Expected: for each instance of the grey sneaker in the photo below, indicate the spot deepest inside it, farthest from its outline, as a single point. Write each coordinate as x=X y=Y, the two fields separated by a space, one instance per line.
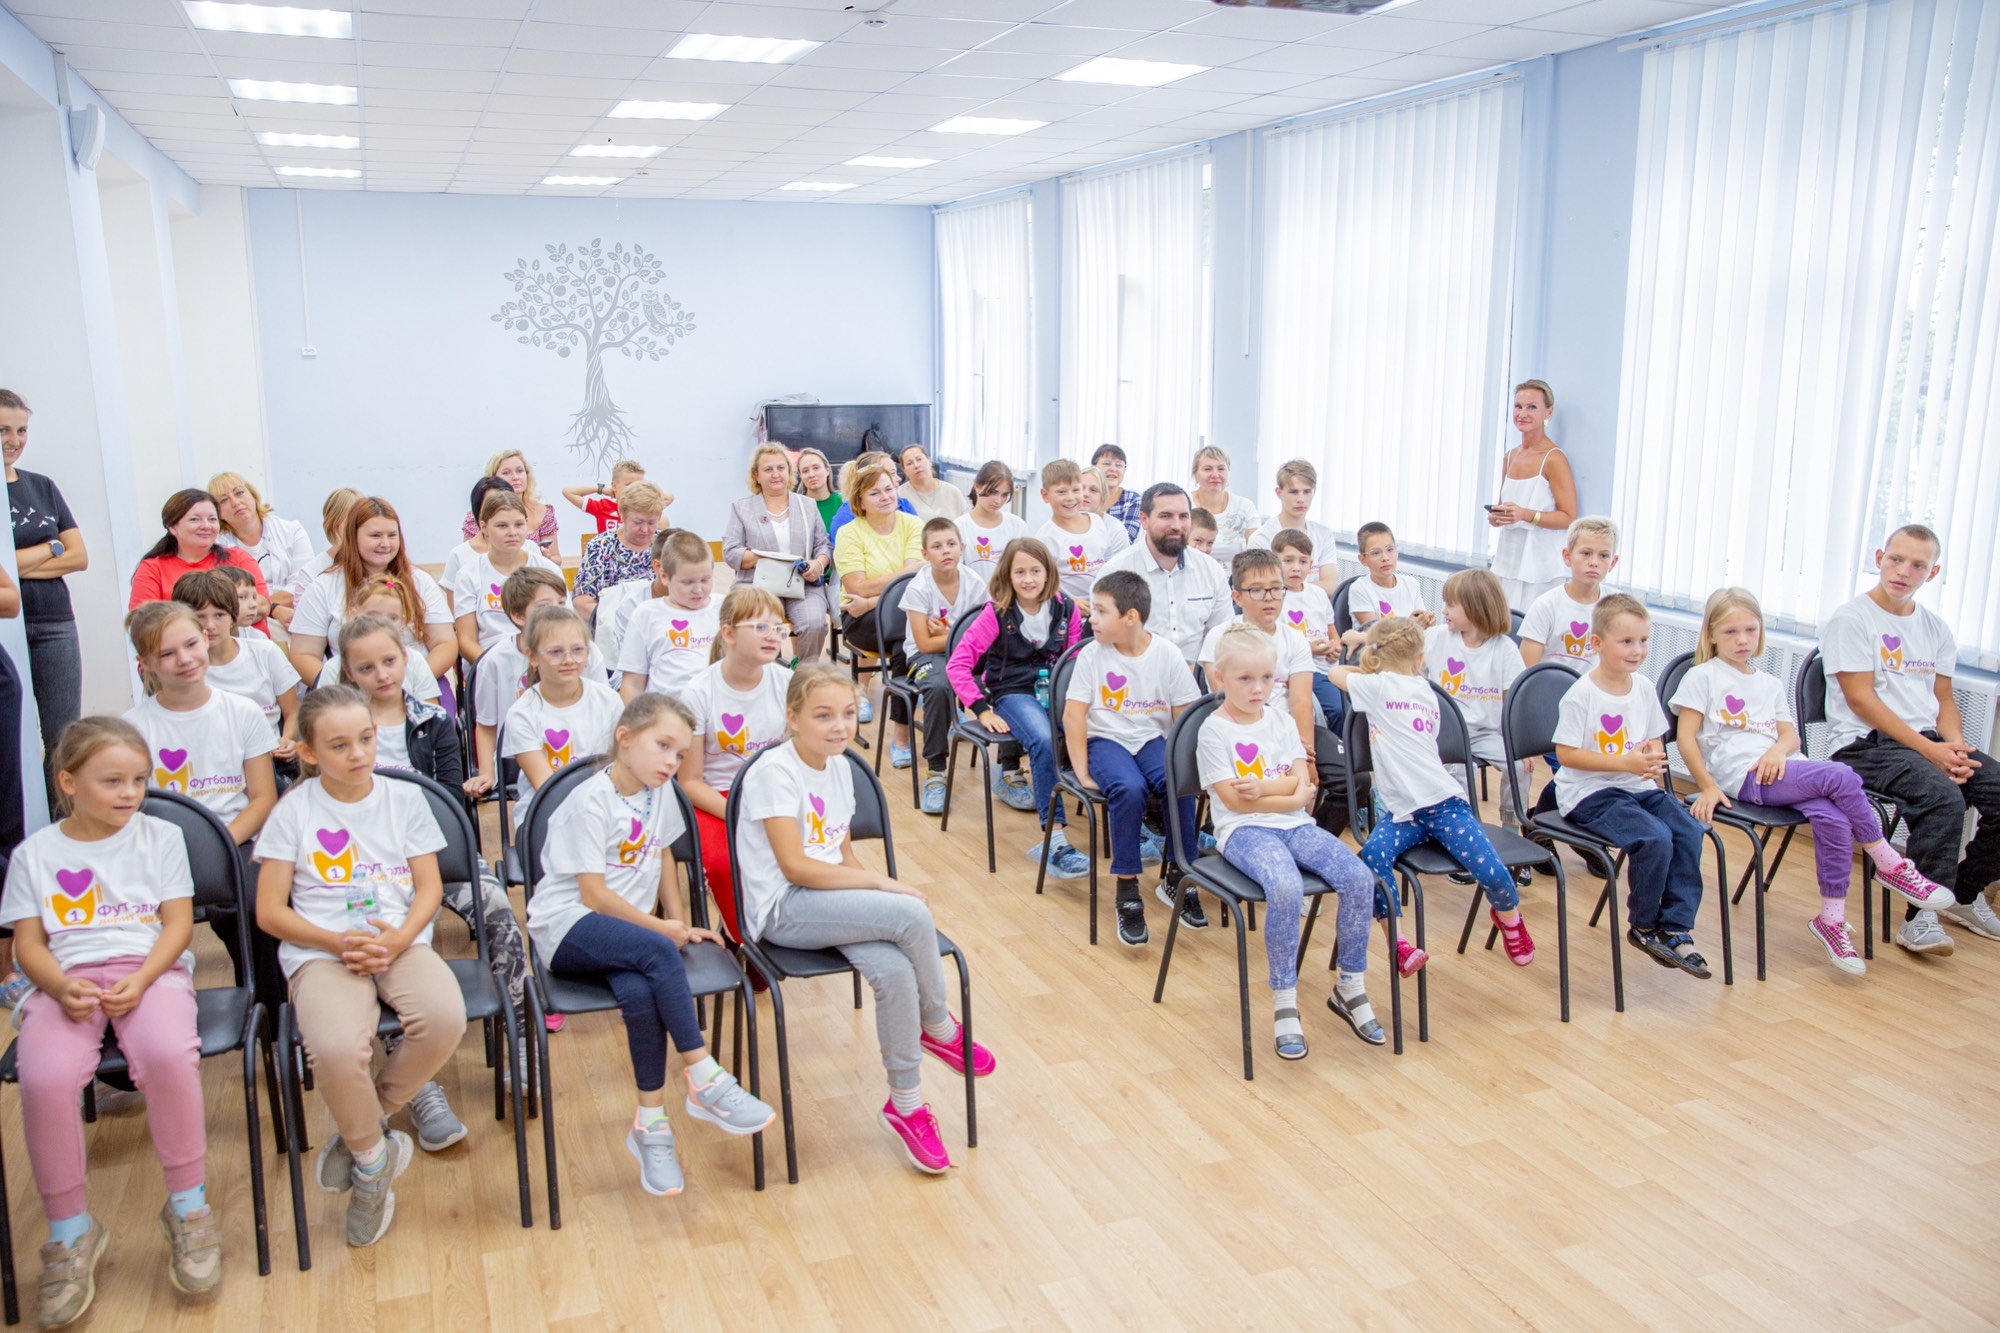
x=1922 y=934
x=372 y=1206
x=934 y=794
x=1976 y=916
x=195 y=1262
x=659 y=1166
x=725 y=1104
x=69 y=1277
x=334 y=1167
x=431 y=1116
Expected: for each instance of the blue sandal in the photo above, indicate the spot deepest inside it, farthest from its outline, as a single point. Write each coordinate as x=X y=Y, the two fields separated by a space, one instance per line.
x=1291 y=1045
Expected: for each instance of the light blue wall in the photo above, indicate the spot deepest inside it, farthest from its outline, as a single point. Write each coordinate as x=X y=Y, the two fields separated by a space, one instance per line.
x=413 y=386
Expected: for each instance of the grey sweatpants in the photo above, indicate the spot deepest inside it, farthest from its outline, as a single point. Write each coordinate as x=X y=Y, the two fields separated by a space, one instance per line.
x=892 y=940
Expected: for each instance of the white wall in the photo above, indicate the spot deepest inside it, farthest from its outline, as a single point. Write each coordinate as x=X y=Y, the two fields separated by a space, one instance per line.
x=218 y=330
x=413 y=386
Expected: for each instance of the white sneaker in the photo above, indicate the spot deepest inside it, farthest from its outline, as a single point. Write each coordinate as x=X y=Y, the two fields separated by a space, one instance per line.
x=1976 y=916
x=1922 y=934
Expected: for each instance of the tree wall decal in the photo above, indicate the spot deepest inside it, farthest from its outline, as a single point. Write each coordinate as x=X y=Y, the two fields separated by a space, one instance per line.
x=591 y=300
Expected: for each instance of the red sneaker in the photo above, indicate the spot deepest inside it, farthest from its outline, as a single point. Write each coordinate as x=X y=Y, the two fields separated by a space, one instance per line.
x=1410 y=959
x=953 y=1053
x=918 y=1133
x=556 y=1022
x=1912 y=885
x=1520 y=946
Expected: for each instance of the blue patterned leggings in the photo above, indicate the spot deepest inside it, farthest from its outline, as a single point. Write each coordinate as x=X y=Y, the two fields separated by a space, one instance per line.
x=1274 y=858
x=1454 y=826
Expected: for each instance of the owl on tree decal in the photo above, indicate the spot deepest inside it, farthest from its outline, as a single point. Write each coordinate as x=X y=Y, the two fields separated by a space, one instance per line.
x=590 y=301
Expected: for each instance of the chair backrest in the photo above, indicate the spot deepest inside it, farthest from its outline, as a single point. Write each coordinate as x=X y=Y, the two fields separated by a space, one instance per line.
x=871 y=820
x=1809 y=695
x=1528 y=720
x=1515 y=633
x=1343 y=617
x=892 y=622
x=1357 y=754
x=213 y=862
x=1670 y=685
x=458 y=860
x=1058 y=692
x=542 y=807
x=1184 y=765
x=1454 y=740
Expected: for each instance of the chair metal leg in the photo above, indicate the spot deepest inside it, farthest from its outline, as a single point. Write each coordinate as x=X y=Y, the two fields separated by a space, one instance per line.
x=1759 y=875
x=289 y=1071
x=784 y=1080
x=515 y=1094
x=1416 y=891
x=1306 y=931
x=1471 y=919
x=965 y=1044
x=746 y=1017
x=1236 y=918
x=254 y=1132
x=9 y=1293
x=857 y=988
x=1090 y=820
x=1722 y=883
x=950 y=782
x=279 y=1133
x=986 y=787
x=1042 y=868
x=1395 y=983
x=537 y=1039
x=1562 y=934
x=1868 y=910
x=1610 y=900
x=1167 y=953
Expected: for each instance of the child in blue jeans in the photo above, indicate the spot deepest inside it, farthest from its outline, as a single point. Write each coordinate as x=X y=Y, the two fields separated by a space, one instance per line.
x=1608 y=740
x=1423 y=800
x=1126 y=689
x=1254 y=766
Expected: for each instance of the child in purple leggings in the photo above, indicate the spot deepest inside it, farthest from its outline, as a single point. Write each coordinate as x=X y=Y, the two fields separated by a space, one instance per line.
x=102 y=906
x=1254 y=767
x=1738 y=737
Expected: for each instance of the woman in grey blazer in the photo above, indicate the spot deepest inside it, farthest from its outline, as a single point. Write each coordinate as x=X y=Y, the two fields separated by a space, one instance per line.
x=774 y=517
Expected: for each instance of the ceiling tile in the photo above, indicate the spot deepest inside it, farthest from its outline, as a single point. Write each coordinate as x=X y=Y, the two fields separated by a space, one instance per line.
x=433 y=30
x=1388 y=32
x=1615 y=18
x=1139 y=15
x=1048 y=39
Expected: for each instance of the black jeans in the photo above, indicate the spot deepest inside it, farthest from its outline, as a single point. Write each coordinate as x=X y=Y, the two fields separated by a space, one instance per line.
x=13 y=815
x=1935 y=807
x=55 y=659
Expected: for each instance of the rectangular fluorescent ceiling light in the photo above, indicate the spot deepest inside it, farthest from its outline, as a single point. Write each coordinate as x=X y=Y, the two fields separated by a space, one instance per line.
x=275 y=139
x=338 y=173
x=668 y=110
x=618 y=150
x=744 y=50
x=267 y=90
x=986 y=125
x=820 y=187
x=1129 y=73
x=272 y=20
x=899 y=163
x=581 y=180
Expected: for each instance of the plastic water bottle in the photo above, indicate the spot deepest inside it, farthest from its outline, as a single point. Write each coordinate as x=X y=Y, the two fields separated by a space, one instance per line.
x=1042 y=688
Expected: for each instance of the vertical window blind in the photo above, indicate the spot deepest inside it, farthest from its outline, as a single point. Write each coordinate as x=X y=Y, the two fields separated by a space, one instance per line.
x=1812 y=324
x=1135 y=328
x=1388 y=278
x=986 y=304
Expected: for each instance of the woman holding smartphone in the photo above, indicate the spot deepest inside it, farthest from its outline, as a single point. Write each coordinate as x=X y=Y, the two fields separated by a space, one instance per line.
x=1537 y=502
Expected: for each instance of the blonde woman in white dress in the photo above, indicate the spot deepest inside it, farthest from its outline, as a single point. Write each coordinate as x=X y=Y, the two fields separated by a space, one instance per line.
x=1537 y=502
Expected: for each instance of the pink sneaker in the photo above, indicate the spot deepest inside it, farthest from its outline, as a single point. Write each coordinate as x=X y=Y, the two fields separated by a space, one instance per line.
x=1839 y=945
x=918 y=1133
x=1908 y=881
x=953 y=1053
x=1410 y=959
x=1520 y=946
x=556 y=1022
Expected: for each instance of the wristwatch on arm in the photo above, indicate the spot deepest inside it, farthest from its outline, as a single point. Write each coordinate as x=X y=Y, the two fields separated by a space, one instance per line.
x=56 y=547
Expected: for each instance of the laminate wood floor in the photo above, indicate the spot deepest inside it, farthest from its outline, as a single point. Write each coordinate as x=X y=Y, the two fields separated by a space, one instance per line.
x=1811 y=1151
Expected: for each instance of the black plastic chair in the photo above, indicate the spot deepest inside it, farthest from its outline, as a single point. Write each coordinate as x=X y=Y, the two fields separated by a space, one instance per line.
x=485 y=1003
x=1236 y=891
x=777 y=963
x=894 y=622
x=1343 y=614
x=710 y=969
x=1090 y=800
x=1527 y=729
x=1809 y=707
x=227 y=1018
x=1430 y=858
x=1755 y=822
x=1515 y=632
x=967 y=731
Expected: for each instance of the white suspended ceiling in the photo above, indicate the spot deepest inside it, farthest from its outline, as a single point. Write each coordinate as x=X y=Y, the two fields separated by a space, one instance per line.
x=493 y=96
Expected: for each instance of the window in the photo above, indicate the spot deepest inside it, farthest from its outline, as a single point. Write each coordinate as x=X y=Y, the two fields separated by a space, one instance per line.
x=1812 y=341
x=1388 y=273
x=1135 y=361
x=986 y=299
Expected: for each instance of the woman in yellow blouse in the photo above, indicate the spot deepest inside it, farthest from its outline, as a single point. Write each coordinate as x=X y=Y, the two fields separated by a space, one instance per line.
x=879 y=546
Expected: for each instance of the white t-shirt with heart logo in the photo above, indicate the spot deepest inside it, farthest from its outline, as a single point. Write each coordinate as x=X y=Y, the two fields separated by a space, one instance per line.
x=201 y=753
x=1477 y=679
x=784 y=786
x=350 y=861
x=98 y=901
x=1740 y=712
x=984 y=545
x=1366 y=597
x=1267 y=748
x=1562 y=627
x=667 y=644
x=475 y=591
x=1596 y=720
x=1308 y=614
x=732 y=725
x=561 y=735
x=1132 y=699
x=1403 y=715
x=1080 y=556
x=596 y=831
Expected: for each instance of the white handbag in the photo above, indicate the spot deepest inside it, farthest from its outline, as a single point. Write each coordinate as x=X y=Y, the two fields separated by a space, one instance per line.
x=778 y=573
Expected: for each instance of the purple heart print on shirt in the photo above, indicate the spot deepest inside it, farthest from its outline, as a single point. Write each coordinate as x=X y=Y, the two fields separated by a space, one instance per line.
x=819 y=806
x=1453 y=665
x=1578 y=628
x=1891 y=642
x=732 y=722
x=1612 y=722
x=1113 y=681
x=73 y=882
x=1387 y=610
x=172 y=759
x=637 y=829
x=1731 y=703
x=333 y=839
x=1247 y=753
x=1076 y=550
x=1297 y=617
x=556 y=739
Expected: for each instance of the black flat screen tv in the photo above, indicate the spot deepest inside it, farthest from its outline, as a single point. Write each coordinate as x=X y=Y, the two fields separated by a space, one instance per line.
x=837 y=431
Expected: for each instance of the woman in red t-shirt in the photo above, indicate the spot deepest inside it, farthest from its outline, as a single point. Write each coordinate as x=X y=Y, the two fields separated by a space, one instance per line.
x=192 y=526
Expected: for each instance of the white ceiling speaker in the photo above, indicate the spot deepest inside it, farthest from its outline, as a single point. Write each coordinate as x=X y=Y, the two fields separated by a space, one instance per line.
x=86 y=135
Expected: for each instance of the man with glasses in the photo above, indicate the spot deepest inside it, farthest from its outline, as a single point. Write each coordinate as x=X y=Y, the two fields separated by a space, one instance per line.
x=1187 y=585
